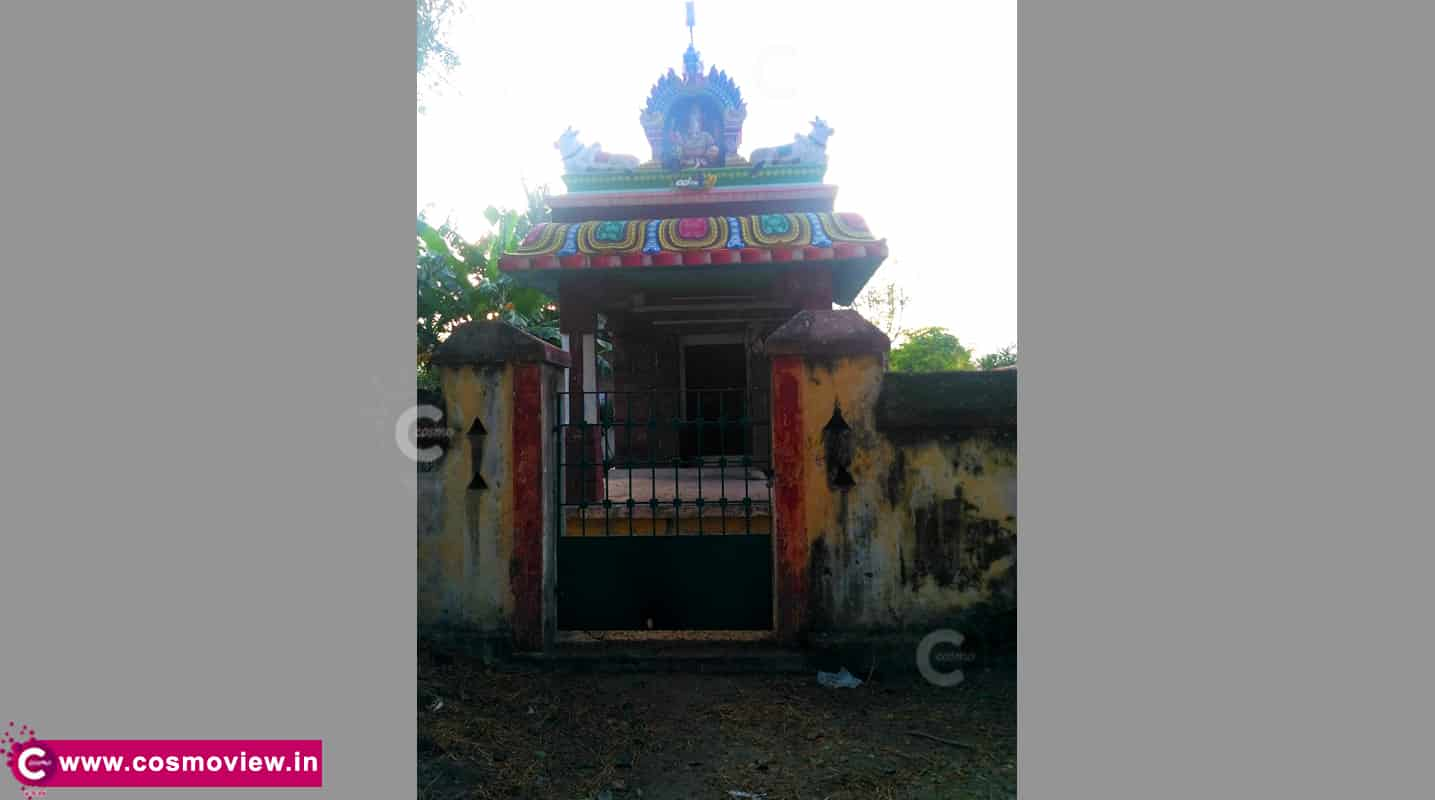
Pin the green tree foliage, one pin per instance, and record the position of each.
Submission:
(930, 349)
(434, 55)
(459, 281)
(1005, 357)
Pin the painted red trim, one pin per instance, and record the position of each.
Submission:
(793, 581)
(672, 258)
(526, 566)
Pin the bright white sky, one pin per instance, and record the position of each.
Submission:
(921, 95)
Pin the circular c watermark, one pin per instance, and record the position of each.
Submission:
(33, 763)
(777, 64)
(926, 658)
(409, 421)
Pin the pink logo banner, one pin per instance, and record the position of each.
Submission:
(165, 763)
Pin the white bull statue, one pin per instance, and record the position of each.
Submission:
(578, 157)
(810, 149)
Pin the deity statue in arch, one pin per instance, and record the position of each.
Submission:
(693, 145)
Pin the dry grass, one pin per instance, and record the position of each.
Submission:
(507, 735)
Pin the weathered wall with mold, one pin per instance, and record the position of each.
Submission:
(910, 521)
(485, 565)
(904, 501)
(465, 540)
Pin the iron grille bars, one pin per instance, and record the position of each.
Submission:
(650, 455)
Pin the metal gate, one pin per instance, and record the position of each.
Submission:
(655, 530)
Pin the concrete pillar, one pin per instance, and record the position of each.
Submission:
(818, 358)
(496, 549)
(583, 451)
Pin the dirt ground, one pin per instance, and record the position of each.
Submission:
(675, 736)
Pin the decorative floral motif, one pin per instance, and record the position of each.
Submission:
(771, 230)
(654, 236)
(542, 238)
(610, 231)
(734, 233)
(609, 236)
(693, 228)
(846, 227)
(819, 236)
(692, 233)
(570, 242)
(774, 224)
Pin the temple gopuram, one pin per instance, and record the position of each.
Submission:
(670, 274)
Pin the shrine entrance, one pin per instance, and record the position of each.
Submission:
(651, 541)
(669, 273)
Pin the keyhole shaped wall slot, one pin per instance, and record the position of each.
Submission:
(837, 450)
(476, 436)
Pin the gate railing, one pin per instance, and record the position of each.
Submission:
(662, 462)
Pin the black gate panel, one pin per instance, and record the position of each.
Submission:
(655, 531)
(672, 582)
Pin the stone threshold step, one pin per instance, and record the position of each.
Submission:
(668, 657)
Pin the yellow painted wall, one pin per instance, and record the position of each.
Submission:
(879, 558)
(464, 555)
(875, 565)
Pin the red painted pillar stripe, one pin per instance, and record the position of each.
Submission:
(526, 568)
(787, 465)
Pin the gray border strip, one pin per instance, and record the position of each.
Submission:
(207, 325)
(1224, 218)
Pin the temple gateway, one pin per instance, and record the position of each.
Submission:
(670, 273)
(714, 448)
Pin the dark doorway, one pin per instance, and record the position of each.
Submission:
(681, 536)
(715, 401)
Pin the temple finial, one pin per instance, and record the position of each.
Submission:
(692, 62)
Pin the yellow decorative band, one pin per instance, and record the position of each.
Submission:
(609, 236)
(543, 238)
(692, 233)
(771, 230)
(846, 227)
